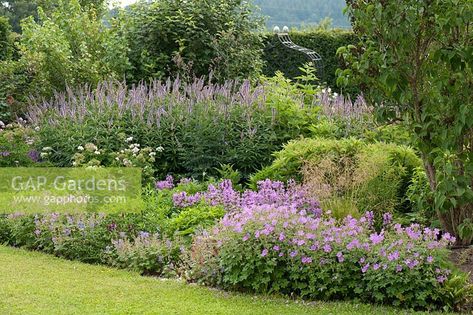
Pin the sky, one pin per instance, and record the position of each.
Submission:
(126, 2)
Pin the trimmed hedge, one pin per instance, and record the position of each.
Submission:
(326, 43)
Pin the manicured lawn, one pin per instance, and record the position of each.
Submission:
(34, 283)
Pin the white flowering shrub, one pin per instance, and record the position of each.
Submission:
(130, 155)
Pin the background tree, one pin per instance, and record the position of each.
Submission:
(98, 6)
(167, 37)
(415, 60)
(70, 46)
(5, 38)
(17, 10)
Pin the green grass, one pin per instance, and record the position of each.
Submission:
(35, 283)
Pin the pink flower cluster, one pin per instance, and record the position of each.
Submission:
(168, 183)
(273, 193)
(288, 232)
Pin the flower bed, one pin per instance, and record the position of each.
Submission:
(272, 240)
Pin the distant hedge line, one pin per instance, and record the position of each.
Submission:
(326, 43)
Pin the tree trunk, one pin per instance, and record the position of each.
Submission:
(452, 218)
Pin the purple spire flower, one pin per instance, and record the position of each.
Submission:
(387, 218)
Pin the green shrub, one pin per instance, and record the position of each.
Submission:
(147, 254)
(192, 218)
(397, 134)
(326, 43)
(364, 128)
(5, 39)
(16, 86)
(421, 200)
(288, 162)
(171, 37)
(20, 231)
(370, 177)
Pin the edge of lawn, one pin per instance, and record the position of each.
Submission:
(37, 283)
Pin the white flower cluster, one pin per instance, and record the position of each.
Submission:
(45, 152)
(83, 157)
(130, 156)
(135, 148)
(135, 155)
(328, 92)
(29, 141)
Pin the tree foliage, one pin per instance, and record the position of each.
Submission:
(5, 44)
(415, 60)
(67, 46)
(171, 36)
(17, 10)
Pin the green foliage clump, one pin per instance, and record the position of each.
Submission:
(146, 254)
(4, 230)
(326, 43)
(420, 197)
(199, 216)
(18, 231)
(17, 85)
(288, 162)
(7, 71)
(82, 237)
(177, 219)
(349, 176)
(170, 37)
(17, 10)
(5, 38)
(364, 128)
